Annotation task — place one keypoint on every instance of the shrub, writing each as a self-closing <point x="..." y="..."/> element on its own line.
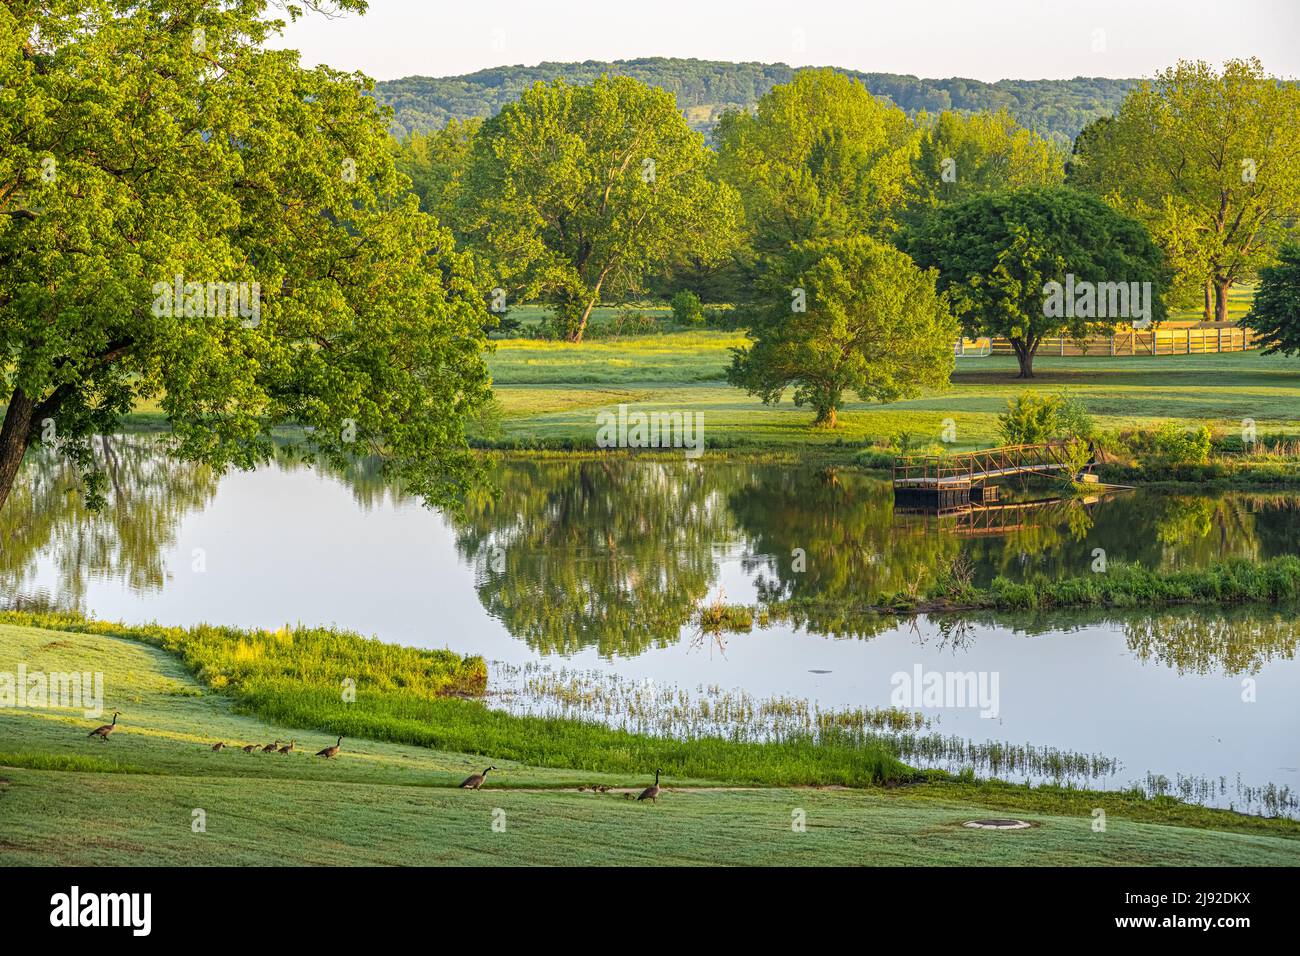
<point x="1030" y="419"/>
<point x="1073" y="418"/>
<point x="687" y="309"/>
<point x="1176" y="446"/>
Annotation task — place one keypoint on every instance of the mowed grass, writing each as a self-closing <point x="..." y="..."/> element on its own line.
<point x="547" y="391"/>
<point x="66" y="799"/>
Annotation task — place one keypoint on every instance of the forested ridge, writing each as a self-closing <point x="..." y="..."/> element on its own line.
<point x="1057" y="109"/>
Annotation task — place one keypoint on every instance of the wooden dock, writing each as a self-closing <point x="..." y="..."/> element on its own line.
<point x="946" y="483"/>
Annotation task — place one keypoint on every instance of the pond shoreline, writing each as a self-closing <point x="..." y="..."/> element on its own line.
<point x="1224" y="584"/>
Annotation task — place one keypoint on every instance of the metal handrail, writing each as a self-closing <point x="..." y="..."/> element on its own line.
<point x="966" y="466"/>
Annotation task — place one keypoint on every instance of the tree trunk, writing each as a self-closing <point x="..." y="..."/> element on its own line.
<point x="15" y="435"/>
<point x="591" y="304"/>
<point x="827" y="417"/>
<point x="1209" y="300"/>
<point x="1025" y="356"/>
<point x="1221" y="287"/>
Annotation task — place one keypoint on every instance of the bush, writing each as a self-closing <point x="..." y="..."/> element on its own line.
<point x="687" y="309"/>
<point x="1030" y="419"/>
<point x="1176" y="446"/>
<point x="1073" y="418"/>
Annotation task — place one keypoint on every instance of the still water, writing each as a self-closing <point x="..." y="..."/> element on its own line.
<point x="580" y="579"/>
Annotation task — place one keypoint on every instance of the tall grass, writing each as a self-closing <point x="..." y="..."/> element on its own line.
<point x="1131" y="585"/>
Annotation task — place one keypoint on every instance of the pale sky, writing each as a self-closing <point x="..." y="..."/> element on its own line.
<point x="980" y="39"/>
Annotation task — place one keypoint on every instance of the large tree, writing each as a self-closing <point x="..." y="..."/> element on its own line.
<point x="820" y="158"/>
<point x="191" y="218"/>
<point x="845" y="315"/>
<point x="999" y="254"/>
<point x="1210" y="161"/>
<point x="961" y="155"/>
<point x="575" y="192"/>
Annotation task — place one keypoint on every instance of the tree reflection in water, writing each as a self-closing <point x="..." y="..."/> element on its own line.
<point x="46" y="518"/>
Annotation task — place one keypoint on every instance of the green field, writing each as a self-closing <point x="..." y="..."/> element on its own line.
<point x="67" y="799"/>
<point x="553" y="390"/>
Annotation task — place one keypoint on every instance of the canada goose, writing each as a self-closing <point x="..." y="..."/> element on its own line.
<point x="218" y="746"/>
<point x="652" y="793"/>
<point x="250" y="748"/>
<point x="103" y="732"/>
<point x="627" y="794"/>
<point x="287" y="747"/>
<point x="272" y="748"/>
<point x="475" y="781"/>
<point x="331" y="751"/>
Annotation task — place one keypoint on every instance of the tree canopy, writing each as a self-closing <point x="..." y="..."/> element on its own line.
<point x="576" y="192"/>
<point x="1210" y="161"/>
<point x="998" y="254"/>
<point x="845" y="315"/>
<point x="961" y="155"/>
<point x="820" y="158"/>
<point x="190" y="218"/>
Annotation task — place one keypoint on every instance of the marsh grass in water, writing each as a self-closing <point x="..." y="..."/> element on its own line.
<point x="665" y="710"/>
<point x="648" y="707"/>
<point x="1267" y="800"/>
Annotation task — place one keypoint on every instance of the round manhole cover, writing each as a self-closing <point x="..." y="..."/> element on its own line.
<point x="997" y="825"/>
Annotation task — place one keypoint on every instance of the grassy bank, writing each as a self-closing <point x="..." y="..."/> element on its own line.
<point x="1275" y="581"/>
<point x="388" y="803"/>
<point x="298" y="678"/>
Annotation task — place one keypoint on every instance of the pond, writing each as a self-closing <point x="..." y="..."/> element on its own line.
<point x="580" y="579"/>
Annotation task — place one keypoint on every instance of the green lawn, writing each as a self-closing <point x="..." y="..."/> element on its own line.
<point x="66" y="799"/>
<point x="554" y="390"/>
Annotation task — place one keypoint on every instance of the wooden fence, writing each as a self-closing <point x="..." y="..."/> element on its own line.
<point x="1150" y="342"/>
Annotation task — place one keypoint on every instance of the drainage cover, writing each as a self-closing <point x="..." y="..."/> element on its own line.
<point x="997" y="825"/>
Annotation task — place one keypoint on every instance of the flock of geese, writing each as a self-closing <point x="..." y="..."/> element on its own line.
<point x="472" y="782"/>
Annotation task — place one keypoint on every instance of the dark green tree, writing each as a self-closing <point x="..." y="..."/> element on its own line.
<point x="1275" y="313"/>
<point x="1006" y="261"/>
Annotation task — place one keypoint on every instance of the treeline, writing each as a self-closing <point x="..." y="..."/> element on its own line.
<point x="1056" y="109"/>
<point x="856" y="241"/>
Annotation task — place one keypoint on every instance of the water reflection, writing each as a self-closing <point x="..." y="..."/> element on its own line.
<point x="614" y="554"/>
<point x="46" y="518"/>
<point x="608" y="553"/>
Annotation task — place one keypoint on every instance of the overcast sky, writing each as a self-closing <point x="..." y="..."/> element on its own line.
<point x="983" y="39"/>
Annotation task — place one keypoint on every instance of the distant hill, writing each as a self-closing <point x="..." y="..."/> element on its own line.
<point x="1058" y="109"/>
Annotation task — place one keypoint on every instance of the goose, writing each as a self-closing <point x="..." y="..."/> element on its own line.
<point x="218" y="746"/>
<point x="272" y="748"/>
<point x="475" y="781"/>
<point x="331" y="751"/>
<point x="249" y="748"/>
<point x="287" y="748"/>
<point x="652" y="793"/>
<point x="103" y="732"/>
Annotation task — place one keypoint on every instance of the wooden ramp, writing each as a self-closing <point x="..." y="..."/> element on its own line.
<point x="946" y="482"/>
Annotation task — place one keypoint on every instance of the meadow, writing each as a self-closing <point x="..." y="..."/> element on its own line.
<point x="549" y="392"/>
<point x="156" y="793"/>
